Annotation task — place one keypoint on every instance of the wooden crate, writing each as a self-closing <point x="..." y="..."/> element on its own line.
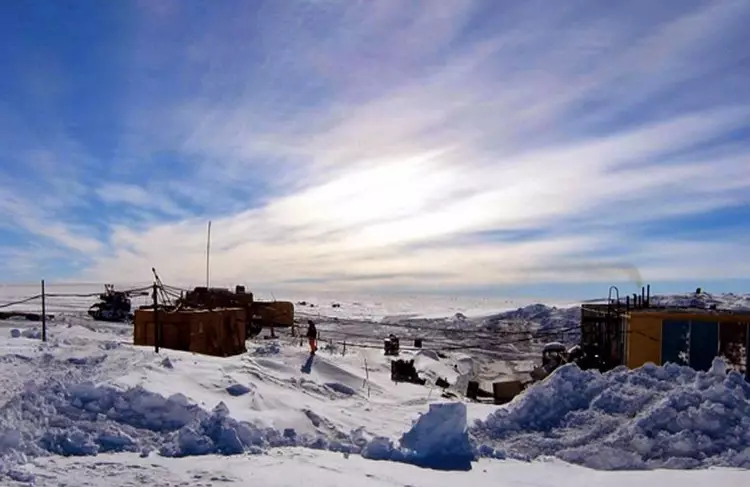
<point x="219" y="332"/>
<point x="274" y="313"/>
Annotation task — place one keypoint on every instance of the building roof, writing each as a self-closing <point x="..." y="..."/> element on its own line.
<point x="692" y="311"/>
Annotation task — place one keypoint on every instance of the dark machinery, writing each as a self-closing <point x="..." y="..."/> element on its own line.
<point x="404" y="371"/>
<point x="601" y="347"/>
<point x="603" y="328"/>
<point x="112" y="306"/>
<point x="260" y="314"/>
<point x="391" y="345"/>
<point x="554" y="355"/>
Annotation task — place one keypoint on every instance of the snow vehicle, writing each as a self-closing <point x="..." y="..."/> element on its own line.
<point x="112" y="306"/>
<point x="554" y="354"/>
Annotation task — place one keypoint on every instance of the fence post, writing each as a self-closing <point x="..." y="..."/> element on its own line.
<point x="44" y="314"/>
<point x="157" y="335"/>
<point x="367" y="379"/>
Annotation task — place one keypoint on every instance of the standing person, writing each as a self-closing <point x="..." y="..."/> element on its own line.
<point x="312" y="336"/>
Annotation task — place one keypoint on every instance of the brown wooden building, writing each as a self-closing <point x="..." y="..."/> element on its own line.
<point x="219" y="332"/>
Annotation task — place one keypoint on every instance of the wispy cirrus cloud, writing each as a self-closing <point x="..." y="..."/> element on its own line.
<point x="377" y="144"/>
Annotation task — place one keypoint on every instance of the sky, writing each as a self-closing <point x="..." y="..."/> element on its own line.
<point x="455" y="146"/>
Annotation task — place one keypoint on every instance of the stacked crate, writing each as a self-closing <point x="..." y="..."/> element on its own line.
<point x="219" y="332"/>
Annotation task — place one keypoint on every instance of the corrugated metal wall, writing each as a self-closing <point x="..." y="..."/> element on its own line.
<point x="644" y="341"/>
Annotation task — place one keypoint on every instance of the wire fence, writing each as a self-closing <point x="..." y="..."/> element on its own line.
<point x="471" y="336"/>
<point x="45" y="296"/>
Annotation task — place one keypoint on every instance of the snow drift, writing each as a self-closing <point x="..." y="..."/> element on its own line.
<point x="83" y="419"/>
<point x="651" y="417"/>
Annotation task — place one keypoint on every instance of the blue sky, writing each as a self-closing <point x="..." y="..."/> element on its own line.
<point x="454" y="146"/>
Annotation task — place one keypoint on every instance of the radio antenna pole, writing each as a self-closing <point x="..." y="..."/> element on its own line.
<point x="208" y="254"/>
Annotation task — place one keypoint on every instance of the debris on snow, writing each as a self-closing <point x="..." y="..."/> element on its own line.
<point x="268" y="348"/>
<point x="32" y="333"/>
<point x="238" y="390"/>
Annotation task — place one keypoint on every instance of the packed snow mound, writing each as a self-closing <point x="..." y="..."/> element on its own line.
<point x="80" y="419"/>
<point x="85" y="419"/>
<point x="56" y="417"/>
<point x="439" y="440"/>
<point x="651" y="417"/>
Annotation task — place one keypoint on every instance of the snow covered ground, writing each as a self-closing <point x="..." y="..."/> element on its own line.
<point x="89" y="408"/>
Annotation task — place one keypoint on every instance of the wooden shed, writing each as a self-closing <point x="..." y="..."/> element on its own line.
<point x="219" y="332"/>
<point x="274" y="313"/>
<point x="690" y="337"/>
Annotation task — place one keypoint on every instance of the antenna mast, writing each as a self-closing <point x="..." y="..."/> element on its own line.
<point x="208" y="253"/>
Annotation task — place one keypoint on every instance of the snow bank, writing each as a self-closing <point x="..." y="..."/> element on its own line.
<point x="438" y="440"/>
<point x="651" y="417"/>
<point x="86" y="419"/>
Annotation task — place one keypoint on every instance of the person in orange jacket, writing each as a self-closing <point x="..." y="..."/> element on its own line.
<point x="312" y="336"/>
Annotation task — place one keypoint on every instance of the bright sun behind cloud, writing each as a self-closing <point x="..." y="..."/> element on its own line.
<point x="376" y="146"/>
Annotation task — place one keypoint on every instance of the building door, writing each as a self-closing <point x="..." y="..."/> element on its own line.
<point x="675" y="342"/>
<point x="732" y="344"/>
<point x="704" y="344"/>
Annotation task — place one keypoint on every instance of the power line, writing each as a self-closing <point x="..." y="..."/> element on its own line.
<point x="22" y="301"/>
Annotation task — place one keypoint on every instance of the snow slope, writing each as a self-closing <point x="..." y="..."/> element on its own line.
<point x="295" y="466"/>
<point x="89" y="405"/>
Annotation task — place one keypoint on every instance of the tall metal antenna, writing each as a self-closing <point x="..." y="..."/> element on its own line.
<point x="208" y="253"/>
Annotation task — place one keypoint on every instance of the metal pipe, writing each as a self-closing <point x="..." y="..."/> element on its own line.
<point x="44" y="313"/>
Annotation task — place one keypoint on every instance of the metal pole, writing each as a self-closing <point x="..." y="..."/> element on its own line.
<point x="157" y="330"/>
<point x="208" y="253"/>
<point x="44" y="314"/>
